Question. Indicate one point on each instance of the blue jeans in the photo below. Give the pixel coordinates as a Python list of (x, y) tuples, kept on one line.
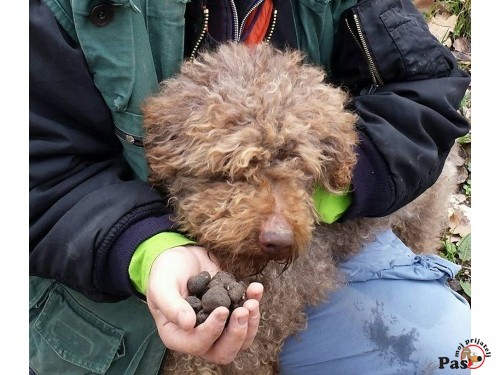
[(396, 315)]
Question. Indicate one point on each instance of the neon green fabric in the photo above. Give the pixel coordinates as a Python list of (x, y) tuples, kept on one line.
[(330, 206), (147, 252)]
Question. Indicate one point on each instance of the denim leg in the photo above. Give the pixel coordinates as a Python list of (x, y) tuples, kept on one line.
[(380, 327)]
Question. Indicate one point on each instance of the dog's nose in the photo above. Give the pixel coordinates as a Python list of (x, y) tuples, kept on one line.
[(276, 237)]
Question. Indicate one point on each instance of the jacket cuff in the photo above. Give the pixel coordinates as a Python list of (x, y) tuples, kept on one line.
[(147, 252), (372, 188), (118, 281)]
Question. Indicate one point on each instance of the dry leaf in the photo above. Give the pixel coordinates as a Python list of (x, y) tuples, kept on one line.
[(442, 25), (459, 221), (462, 57), (454, 201), (462, 45), (461, 198)]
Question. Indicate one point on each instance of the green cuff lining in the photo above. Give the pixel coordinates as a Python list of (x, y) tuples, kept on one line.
[(147, 252), (330, 206)]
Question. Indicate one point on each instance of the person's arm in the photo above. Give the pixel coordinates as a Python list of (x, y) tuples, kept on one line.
[(87, 213), (88, 216), (407, 104)]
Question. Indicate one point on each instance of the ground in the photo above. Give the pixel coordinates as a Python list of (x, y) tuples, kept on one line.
[(450, 22)]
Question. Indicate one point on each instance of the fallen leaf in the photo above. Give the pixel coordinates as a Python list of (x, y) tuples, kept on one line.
[(464, 248), (460, 56), (462, 45), (454, 201), (442, 25), (459, 221)]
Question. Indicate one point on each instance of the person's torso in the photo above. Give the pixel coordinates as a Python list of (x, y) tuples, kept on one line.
[(132, 45)]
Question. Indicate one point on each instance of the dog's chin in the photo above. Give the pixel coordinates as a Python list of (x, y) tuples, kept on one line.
[(283, 256), (262, 267), (247, 258), (281, 261), (283, 264), (246, 265)]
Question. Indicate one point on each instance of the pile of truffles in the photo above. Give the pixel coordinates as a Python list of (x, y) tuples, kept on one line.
[(206, 293)]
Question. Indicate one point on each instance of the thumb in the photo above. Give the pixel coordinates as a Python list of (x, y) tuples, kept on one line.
[(168, 283), (168, 306)]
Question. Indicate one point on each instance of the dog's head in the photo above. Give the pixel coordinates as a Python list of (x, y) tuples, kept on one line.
[(238, 140)]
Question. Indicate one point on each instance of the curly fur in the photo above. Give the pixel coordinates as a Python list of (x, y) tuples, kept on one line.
[(241, 134)]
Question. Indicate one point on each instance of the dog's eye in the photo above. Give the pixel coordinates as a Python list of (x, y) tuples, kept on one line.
[(281, 154), (288, 156), (287, 151)]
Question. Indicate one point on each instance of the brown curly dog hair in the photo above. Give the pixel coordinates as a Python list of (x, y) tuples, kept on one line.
[(237, 142)]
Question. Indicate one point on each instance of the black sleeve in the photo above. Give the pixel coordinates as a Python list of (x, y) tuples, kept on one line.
[(82, 193), (407, 104)]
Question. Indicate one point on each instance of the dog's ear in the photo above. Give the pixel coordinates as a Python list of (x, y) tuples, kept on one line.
[(161, 120), (338, 140), (323, 109), (340, 158), (176, 121)]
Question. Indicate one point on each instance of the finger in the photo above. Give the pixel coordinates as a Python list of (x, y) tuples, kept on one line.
[(255, 291), (229, 343), (196, 341), (253, 322), (211, 330)]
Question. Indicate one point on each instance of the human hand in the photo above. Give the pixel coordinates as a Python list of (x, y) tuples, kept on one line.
[(175, 319)]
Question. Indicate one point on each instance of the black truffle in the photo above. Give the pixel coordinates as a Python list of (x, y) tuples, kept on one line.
[(207, 293)]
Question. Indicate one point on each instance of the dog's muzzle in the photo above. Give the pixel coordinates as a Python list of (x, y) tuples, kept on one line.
[(276, 238)]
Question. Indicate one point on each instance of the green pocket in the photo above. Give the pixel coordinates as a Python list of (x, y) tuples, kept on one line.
[(73, 335), (65, 330)]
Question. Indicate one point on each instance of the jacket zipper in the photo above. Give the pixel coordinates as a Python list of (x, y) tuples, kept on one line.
[(359, 38), (129, 138), (271, 29), (237, 30), (235, 19), (202, 34), (246, 17)]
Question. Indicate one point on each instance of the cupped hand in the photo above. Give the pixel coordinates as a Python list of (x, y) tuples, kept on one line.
[(175, 319)]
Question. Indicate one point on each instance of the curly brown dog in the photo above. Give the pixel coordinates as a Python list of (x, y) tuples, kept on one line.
[(238, 141)]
